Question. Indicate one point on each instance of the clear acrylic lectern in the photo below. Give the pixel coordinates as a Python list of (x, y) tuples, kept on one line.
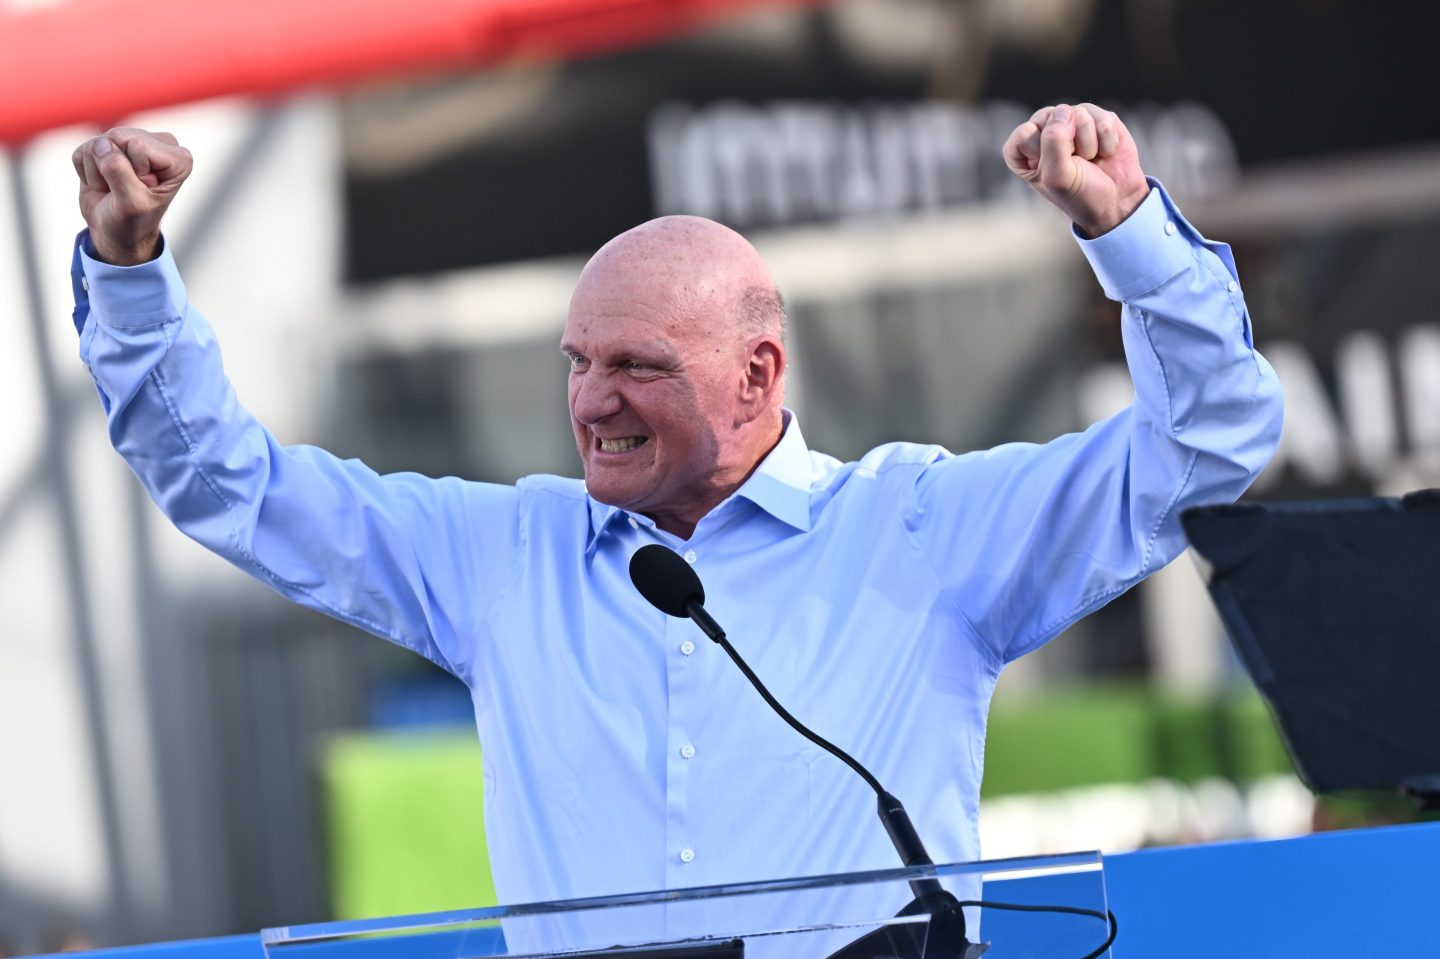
[(1040, 907)]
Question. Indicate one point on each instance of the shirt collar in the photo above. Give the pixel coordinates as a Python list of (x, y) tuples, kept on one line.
[(780, 486)]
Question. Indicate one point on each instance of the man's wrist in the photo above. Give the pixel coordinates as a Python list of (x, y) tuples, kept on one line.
[(1124, 208), (143, 251), (1146, 249), (143, 294)]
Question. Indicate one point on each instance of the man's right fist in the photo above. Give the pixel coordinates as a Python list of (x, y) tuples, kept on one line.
[(127, 179)]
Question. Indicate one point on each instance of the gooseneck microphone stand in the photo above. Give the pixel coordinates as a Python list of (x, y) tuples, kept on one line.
[(672, 587)]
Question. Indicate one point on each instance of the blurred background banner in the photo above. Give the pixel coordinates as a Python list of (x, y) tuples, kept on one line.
[(390, 207), (97, 60)]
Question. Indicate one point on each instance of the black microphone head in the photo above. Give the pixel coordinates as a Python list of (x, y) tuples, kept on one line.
[(665, 579)]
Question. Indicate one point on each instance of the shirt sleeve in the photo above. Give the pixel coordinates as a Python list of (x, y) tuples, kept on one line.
[(1026, 539), (409, 558)]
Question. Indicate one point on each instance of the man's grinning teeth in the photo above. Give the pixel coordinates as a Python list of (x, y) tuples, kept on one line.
[(622, 445)]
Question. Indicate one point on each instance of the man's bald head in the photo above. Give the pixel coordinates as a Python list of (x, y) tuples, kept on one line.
[(705, 264), (676, 368)]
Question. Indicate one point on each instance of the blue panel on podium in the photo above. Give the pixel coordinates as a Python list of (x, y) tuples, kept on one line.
[(225, 947), (1370, 892)]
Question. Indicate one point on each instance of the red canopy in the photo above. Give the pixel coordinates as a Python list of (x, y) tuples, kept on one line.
[(100, 60)]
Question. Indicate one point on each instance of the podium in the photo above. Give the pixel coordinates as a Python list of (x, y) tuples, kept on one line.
[(1024, 908)]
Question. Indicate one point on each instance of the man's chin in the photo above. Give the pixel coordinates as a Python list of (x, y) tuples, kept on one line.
[(612, 494)]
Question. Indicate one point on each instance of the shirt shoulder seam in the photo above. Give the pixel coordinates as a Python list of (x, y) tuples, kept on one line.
[(974, 636)]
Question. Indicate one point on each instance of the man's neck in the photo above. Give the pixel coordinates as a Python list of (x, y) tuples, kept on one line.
[(683, 523)]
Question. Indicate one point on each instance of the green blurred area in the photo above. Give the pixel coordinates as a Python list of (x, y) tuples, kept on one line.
[(406, 827), (1126, 733), (405, 823)]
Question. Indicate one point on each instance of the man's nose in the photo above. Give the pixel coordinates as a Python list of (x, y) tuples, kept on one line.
[(593, 397)]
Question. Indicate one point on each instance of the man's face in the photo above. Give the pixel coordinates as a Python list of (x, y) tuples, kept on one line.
[(653, 388)]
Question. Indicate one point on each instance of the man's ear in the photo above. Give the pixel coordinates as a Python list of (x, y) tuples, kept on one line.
[(762, 385)]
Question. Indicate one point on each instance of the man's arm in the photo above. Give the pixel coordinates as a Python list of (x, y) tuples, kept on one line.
[(403, 556), (1027, 539)]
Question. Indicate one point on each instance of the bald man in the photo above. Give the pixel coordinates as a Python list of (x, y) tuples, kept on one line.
[(675, 341), (878, 599)]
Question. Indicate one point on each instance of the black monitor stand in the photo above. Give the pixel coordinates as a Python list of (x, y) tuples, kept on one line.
[(1334, 610)]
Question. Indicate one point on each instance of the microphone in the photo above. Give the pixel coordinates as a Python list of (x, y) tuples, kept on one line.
[(670, 585)]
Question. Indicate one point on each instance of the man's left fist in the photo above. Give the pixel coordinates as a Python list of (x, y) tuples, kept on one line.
[(1083, 160), (127, 179)]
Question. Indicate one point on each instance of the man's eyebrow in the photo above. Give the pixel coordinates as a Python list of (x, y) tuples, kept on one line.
[(655, 352)]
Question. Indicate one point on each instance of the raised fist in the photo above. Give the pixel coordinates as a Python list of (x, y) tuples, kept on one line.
[(127, 179), (1081, 159)]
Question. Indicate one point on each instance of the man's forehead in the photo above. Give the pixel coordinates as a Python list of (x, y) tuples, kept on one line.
[(657, 318), (640, 293)]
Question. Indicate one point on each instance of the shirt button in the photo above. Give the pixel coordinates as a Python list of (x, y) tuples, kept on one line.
[(690, 556), (687, 751), (687, 647), (633, 524), (1233, 286), (85, 283), (687, 855), (1169, 228)]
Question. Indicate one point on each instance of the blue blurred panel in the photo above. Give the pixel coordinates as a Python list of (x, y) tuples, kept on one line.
[(425, 700), (440, 945), (1364, 892), (228, 947)]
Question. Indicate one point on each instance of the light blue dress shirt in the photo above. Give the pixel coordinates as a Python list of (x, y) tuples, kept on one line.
[(878, 599)]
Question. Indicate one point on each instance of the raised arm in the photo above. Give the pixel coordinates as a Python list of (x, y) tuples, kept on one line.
[(1026, 539), (406, 557)]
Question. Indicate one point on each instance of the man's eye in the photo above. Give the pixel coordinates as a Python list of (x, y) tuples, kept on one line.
[(577, 362), (636, 365)]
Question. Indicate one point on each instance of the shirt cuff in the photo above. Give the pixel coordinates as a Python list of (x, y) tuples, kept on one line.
[(129, 297), (1153, 244)]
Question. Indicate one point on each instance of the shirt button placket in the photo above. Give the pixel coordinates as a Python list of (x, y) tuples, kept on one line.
[(680, 673), (683, 677)]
